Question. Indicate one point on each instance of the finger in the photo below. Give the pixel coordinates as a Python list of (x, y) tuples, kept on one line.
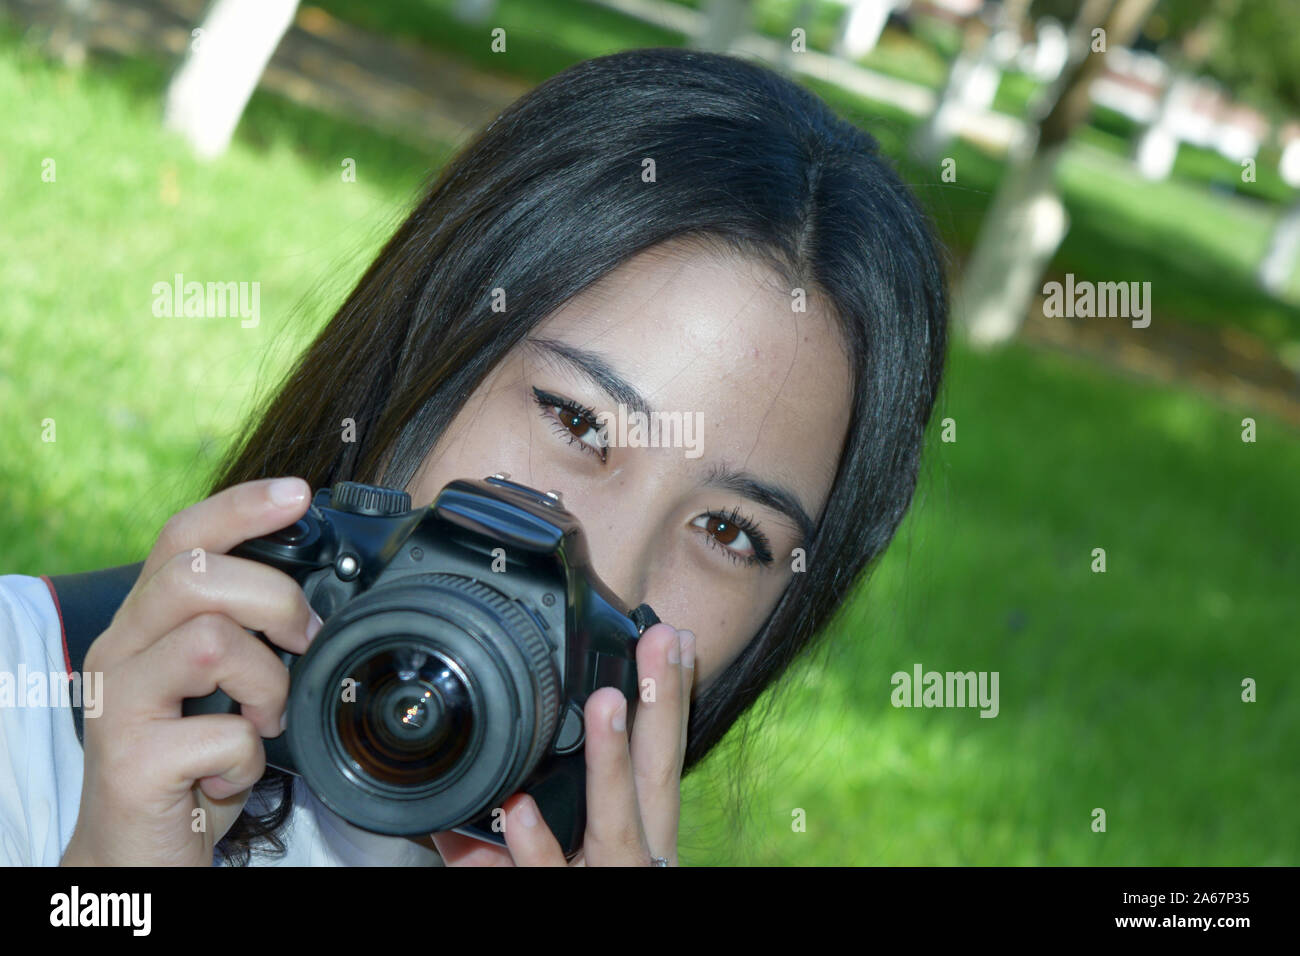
[(688, 684), (657, 736), (456, 849), (230, 517), (205, 653), (222, 753), (529, 839), (255, 595), (614, 836)]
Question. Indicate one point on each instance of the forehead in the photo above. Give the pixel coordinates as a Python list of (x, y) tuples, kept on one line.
[(695, 329)]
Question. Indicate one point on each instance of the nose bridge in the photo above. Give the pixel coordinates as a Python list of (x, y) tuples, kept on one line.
[(623, 521)]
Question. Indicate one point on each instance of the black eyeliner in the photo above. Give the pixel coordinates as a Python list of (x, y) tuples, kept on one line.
[(762, 548), (548, 402)]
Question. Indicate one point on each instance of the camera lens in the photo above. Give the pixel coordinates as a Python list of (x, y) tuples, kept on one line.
[(411, 720), (422, 704)]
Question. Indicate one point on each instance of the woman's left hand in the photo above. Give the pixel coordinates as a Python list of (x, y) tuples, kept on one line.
[(633, 791)]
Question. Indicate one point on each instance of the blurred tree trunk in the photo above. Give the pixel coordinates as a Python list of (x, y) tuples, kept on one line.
[(1027, 220), (972, 80), (862, 26), (68, 38), (227, 56), (725, 21), (1157, 148), (1279, 260)]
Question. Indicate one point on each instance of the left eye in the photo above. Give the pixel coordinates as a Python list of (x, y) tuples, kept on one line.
[(726, 532), (580, 427), (573, 422)]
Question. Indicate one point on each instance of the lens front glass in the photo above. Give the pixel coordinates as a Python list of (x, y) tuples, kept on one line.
[(411, 721)]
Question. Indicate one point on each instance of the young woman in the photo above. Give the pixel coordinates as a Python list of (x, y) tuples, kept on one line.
[(666, 230)]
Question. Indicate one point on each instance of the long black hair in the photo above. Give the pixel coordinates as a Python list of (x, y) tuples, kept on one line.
[(556, 192)]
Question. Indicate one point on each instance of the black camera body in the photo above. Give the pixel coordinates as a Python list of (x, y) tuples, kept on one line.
[(460, 643)]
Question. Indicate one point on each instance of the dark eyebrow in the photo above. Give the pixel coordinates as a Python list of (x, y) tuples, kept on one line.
[(776, 497), (744, 483), (595, 368)]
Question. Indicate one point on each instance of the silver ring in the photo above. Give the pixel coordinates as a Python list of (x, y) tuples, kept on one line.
[(659, 861)]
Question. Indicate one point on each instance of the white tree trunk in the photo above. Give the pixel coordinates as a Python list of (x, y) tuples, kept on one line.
[(227, 56), (725, 21), (972, 85), (1278, 264), (1288, 166), (68, 38), (1050, 53), (1020, 234), (973, 78), (862, 27), (1158, 147)]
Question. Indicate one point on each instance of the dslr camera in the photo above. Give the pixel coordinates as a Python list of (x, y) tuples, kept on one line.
[(460, 643)]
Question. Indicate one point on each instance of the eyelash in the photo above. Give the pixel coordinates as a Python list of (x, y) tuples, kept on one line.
[(547, 403), (762, 552)]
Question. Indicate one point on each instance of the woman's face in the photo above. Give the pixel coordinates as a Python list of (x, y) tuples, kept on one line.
[(702, 532)]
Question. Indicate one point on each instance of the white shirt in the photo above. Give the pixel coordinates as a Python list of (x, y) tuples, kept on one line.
[(41, 762)]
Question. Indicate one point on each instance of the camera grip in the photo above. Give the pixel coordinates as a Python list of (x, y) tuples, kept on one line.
[(219, 702)]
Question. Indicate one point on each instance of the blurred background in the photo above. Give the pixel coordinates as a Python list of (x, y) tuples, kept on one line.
[(1052, 141)]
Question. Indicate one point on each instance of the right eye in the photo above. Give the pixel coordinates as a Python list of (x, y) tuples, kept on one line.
[(575, 423)]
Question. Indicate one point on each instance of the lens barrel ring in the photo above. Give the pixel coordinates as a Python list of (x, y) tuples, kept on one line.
[(492, 640), (529, 640)]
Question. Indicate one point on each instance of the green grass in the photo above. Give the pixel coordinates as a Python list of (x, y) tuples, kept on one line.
[(1201, 264), (1197, 248), (1118, 690), (541, 38), (919, 54), (1195, 166), (141, 404)]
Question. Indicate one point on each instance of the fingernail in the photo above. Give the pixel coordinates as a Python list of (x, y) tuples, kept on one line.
[(286, 492), (314, 625), (284, 721), (619, 720), (675, 650), (527, 812), (688, 648)]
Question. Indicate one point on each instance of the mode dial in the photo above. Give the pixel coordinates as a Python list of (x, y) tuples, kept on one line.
[(354, 497)]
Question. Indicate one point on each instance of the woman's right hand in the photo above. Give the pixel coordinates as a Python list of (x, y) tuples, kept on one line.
[(181, 633)]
